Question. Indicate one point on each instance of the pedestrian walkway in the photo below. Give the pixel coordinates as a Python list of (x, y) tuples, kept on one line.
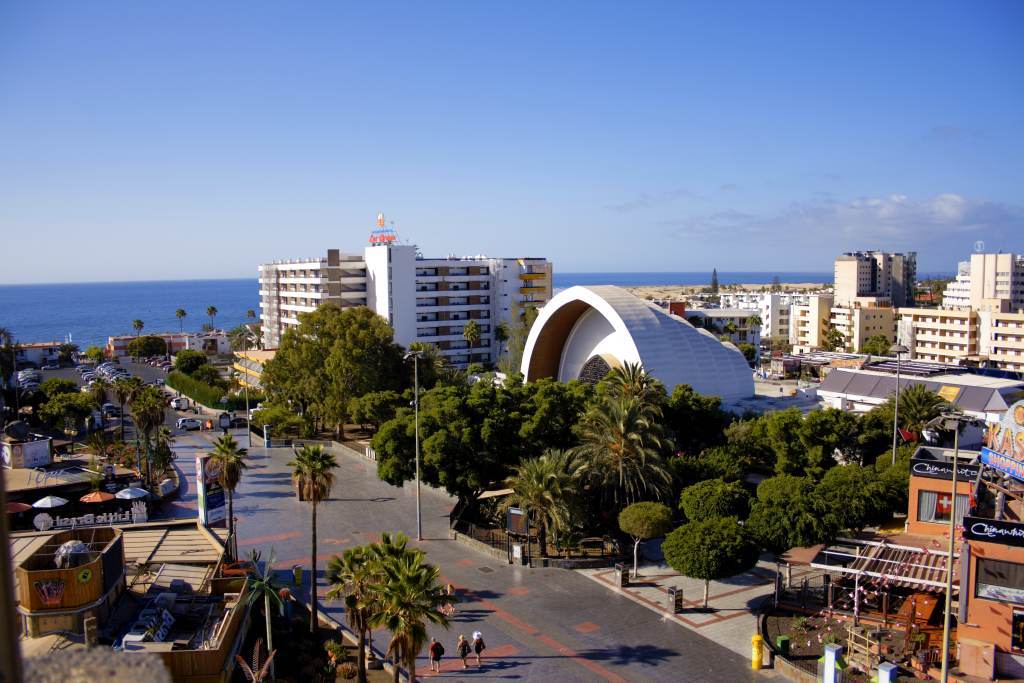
[(730, 619)]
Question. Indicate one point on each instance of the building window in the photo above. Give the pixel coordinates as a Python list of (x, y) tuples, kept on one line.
[(934, 506), (1000, 580)]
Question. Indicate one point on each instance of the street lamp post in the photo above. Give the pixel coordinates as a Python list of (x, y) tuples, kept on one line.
[(950, 421), (898, 350), (415, 355)]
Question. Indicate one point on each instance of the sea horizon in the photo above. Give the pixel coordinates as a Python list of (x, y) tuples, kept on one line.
[(90, 312)]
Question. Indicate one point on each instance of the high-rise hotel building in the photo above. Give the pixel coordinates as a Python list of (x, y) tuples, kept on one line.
[(428, 300)]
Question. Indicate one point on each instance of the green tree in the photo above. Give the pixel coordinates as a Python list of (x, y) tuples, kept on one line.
[(621, 444), (776, 284), (501, 336), (180, 315), (57, 385), (729, 328), (374, 408), (754, 320), (280, 420), (852, 496), (262, 585), (877, 345), (229, 459), (147, 405), (137, 325), (150, 345), (787, 514), (211, 313), (825, 435), (631, 381), (352, 578), (208, 374), (94, 354), (714, 281), (189, 360), (62, 408), (313, 476), (833, 339), (749, 351), (918, 406), (99, 390), (643, 521), (783, 429), (471, 333), (542, 487), (512, 361), (409, 596), (66, 353), (710, 549), (714, 498)]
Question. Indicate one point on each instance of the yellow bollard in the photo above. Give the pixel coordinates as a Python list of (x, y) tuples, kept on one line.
[(756, 652), (297, 574)]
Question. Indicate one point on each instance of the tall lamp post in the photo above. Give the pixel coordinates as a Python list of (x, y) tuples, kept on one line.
[(897, 350), (950, 421), (415, 355), (245, 384)]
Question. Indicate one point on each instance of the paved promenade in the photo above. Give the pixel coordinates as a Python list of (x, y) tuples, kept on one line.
[(539, 624)]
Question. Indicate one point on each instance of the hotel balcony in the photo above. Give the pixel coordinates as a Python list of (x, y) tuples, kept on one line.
[(533, 276), (532, 290)]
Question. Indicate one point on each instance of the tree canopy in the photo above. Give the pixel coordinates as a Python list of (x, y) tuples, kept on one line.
[(714, 498), (189, 360), (787, 513), (710, 549), (148, 345), (877, 345)]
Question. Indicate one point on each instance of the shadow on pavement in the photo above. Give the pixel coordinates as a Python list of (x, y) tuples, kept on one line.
[(624, 655)]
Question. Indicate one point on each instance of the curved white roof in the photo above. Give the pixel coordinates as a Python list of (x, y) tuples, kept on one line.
[(582, 322)]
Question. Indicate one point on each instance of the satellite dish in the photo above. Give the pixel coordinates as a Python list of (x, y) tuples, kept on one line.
[(979, 247)]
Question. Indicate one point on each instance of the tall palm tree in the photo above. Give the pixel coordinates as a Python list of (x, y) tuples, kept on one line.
[(124, 389), (313, 476), (137, 325), (729, 328), (471, 333), (621, 445), (211, 312), (99, 390), (147, 405), (180, 315), (230, 461), (632, 381), (262, 585), (501, 335), (409, 596), (754, 320), (918, 406), (543, 488), (352, 576)]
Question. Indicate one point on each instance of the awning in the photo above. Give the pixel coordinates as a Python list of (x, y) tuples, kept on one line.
[(494, 494), (898, 566)]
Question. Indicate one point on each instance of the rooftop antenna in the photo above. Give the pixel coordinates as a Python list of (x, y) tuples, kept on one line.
[(979, 247)]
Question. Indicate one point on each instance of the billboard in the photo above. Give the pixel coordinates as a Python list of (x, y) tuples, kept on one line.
[(209, 493)]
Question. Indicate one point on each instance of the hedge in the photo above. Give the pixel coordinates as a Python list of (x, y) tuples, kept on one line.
[(203, 393)]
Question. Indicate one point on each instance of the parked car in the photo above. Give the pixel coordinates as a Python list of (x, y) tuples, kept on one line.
[(51, 366), (189, 424), (111, 410), (239, 423), (180, 403)]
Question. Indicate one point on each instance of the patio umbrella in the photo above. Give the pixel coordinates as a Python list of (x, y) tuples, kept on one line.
[(13, 508), (49, 502), (131, 493), (97, 497)]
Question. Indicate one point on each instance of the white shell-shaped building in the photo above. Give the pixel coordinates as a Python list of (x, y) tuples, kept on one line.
[(583, 332)]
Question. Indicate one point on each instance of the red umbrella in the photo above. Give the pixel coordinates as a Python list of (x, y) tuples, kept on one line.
[(97, 497), (13, 508)]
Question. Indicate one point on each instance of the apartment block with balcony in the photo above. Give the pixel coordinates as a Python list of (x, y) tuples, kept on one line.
[(809, 322), (1002, 339), (939, 335), (858, 323), (875, 275), (772, 307)]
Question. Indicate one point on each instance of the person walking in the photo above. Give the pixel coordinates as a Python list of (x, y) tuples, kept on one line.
[(436, 651), (450, 607), (462, 648), (478, 646)]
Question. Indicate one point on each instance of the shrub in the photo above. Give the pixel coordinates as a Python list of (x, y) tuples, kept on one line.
[(207, 374), (714, 498), (189, 361), (207, 395), (281, 420)]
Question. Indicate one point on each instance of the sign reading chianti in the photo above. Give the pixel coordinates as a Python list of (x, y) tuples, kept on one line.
[(935, 469), (994, 531)]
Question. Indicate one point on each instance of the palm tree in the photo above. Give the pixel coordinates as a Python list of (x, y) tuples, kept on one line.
[(100, 445), (180, 315), (147, 405), (313, 476), (754, 320), (729, 328), (211, 312), (352, 577), (621, 445), (632, 381), (471, 333), (501, 335), (124, 389), (230, 461), (99, 390), (137, 325), (409, 596), (543, 488), (918, 406), (250, 314), (262, 585)]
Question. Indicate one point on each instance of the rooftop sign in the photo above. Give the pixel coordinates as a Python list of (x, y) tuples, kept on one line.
[(938, 469), (994, 531), (1005, 443)]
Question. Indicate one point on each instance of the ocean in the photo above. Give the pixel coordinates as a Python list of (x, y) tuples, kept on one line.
[(88, 313)]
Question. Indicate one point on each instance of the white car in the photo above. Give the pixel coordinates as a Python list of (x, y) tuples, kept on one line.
[(189, 424), (180, 403)]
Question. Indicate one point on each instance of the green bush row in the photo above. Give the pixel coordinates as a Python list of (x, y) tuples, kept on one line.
[(209, 396)]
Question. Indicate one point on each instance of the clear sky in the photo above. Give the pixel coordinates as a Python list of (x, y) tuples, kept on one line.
[(143, 140)]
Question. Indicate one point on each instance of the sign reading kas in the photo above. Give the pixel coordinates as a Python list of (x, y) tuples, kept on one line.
[(1005, 443)]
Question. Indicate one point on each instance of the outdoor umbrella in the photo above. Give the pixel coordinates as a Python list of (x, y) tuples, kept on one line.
[(49, 502), (131, 493), (97, 497), (13, 508)]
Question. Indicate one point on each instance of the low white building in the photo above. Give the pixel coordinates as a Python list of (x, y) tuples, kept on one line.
[(772, 307), (37, 353)]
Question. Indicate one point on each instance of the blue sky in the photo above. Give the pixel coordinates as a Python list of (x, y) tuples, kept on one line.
[(194, 139)]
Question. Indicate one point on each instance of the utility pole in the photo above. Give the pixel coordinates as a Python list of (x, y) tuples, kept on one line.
[(415, 355)]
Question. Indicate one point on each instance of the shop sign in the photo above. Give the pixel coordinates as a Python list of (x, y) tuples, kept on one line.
[(136, 515), (994, 531), (1007, 436), (1003, 463), (209, 492), (933, 469)]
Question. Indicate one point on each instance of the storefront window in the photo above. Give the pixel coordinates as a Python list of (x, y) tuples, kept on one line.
[(1017, 630), (935, 506), (1002, 581)]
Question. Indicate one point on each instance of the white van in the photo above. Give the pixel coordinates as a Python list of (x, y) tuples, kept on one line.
[(180, 403)]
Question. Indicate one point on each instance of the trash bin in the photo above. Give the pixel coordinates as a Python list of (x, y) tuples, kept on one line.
[(623, 574), (297, 574), (782, 645), (675, 600)]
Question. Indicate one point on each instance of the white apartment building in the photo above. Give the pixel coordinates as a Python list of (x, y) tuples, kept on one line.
[(733, 323), (772, 307), (986, 281), (429, 300), (874, 277), (858, 323), (939, 335)]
